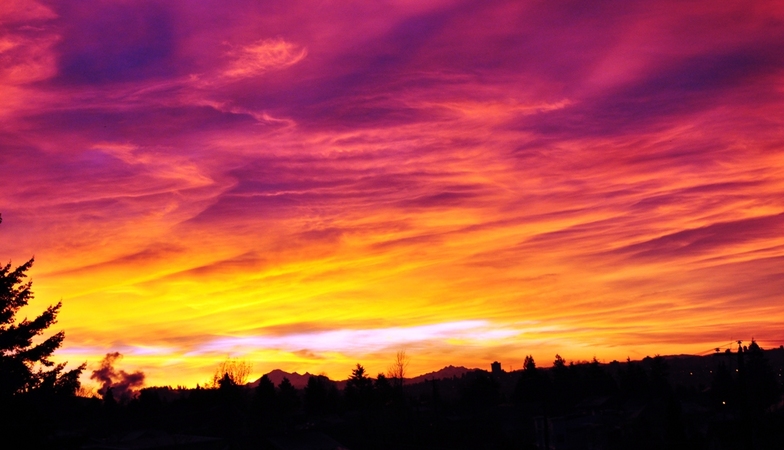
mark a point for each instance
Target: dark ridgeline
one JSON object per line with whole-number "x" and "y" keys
{"x": 726, "y": 400}
{"x": 722, "y": 401}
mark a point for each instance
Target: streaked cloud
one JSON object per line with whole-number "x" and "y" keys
{"x": 363, "y": 341}
{"x": 313, "y": 185}
{"x": 263, "y": 56}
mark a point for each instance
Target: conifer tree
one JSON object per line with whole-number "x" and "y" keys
{"x": 24, "y": 366}
{"x": 359, "y": 388}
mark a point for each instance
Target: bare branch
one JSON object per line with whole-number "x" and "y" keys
{"x": 397, "y": 371}
{"x": 238, "y": 371}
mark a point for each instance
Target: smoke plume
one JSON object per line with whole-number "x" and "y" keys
{"x": 124, "y": 385}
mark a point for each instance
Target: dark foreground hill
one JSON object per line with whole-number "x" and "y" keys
{"x": 731, "y": 400}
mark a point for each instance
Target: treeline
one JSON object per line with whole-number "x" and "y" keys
{"x": 732, "y": 401}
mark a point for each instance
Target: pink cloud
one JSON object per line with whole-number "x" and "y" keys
{"x": 582, "y": 165}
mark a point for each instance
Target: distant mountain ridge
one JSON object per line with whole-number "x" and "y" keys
{"x": 446, "y": 372}
{"x": 277, "y": 375}
{"x": 300, "y": 381}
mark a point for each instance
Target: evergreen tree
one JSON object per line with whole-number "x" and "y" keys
{"x": 316, "y": 394}
{"x": 383, "y": 390}
{"x": 761, "y": 387}
{"x": 559, "y": 364}
{"x": 359, "y": 388}
{"x": 265, "y": 397}
{"x": 529, "y": 365}
{"x": 532, "y": 386}
{"x": 25, "y": 367}
{"x": 563, "y": 384}
{"x": 634, "y": 380}
{"x": 480, "y": 391}
{"x": 30, "y": 383}
{"x": 287, "y": 396}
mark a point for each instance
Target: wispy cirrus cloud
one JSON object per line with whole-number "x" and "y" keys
{"x": 607, "y": 171}
{"x": 263, "y": 56}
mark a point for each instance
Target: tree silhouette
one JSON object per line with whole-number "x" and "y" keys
{"x": 633, "y": 380}
{"x": 529, "y": 365}
{"x": 383, "y": 390}
{"x": 480, "y": 391}
{"x": 226, "y": 383}
{"x": 288, "y": 397}
{"x": 559, "y": 363}
{"x": 320, "y": 395}
{"x": 532, "y": 386}
{"x": 317, "y": 394}
{"x": 761, "y": 387}
{"x": 563, "y": 388}
{"x": 23, "y": 365}
{"x": 236, "y": 369}
{"x": 359, "y": 388}
{"x": 265, "y": 399}
{"x": 397, "y": 371}
{"x": 30, "y": 383}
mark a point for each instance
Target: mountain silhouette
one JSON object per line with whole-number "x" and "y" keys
{"x": 277, "y": 375}
{"x": 300, "y": 381}
{"x": 446, "y": 372}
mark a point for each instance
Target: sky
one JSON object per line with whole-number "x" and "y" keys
{"x": 308, "y": 185}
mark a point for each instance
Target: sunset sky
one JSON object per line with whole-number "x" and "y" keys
{"x": 313, "y": 184}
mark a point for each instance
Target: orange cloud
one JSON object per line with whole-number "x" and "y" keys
{"x": 263, "y": 56}
{"x": 314, "y": 186}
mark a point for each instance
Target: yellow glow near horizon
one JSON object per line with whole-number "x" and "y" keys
{"x": 309, "y": 191}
